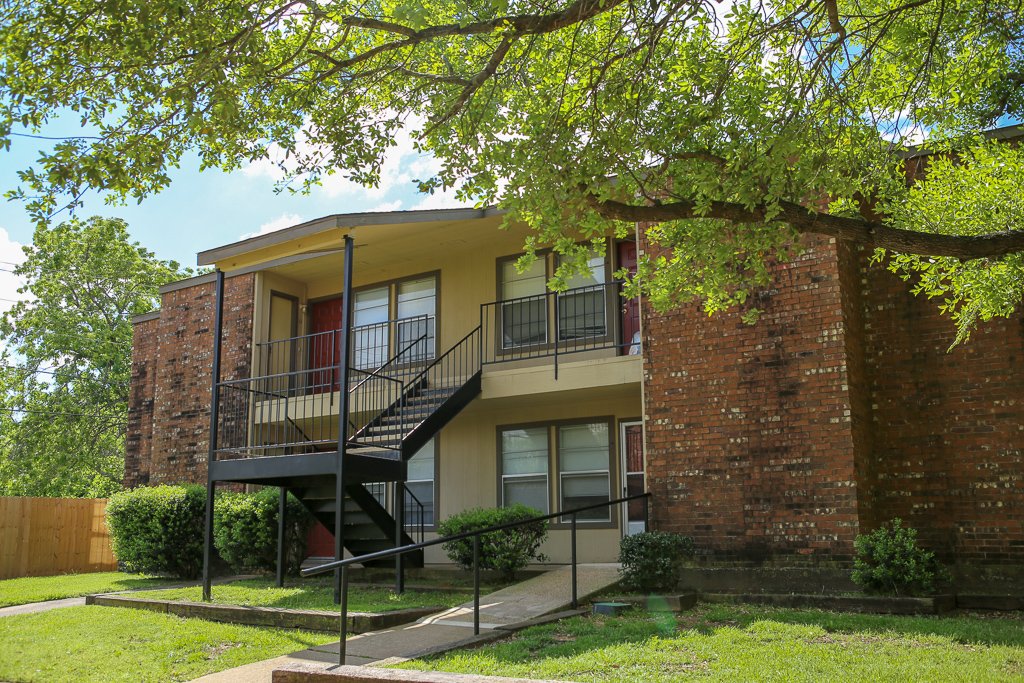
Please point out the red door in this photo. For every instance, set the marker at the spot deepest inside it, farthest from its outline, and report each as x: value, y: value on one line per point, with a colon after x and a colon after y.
x: 325, y: 349
x: 631, y: 308
x: 319, y: 541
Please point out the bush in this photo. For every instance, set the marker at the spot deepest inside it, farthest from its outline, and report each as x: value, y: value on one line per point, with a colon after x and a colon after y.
x: 159, y: 529
x: 651, y: 560
x: 245, y: 530
x: 889, y: 561
x: 505, y: 551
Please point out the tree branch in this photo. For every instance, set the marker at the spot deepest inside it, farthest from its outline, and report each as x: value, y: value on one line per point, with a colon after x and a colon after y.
x: 869, y: 233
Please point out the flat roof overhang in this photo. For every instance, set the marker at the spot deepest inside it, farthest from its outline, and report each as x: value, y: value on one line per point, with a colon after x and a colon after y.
x: 325, y: 233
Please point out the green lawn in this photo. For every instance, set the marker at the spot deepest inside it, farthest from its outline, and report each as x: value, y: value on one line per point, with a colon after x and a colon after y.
x: 313, y: 594
x: 39, y: 588
x: 83, y: 644
x: 738, y: 643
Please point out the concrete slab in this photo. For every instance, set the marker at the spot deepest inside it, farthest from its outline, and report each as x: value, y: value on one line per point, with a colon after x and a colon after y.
x: 46, y: 606
x: 508, y: 609
x: 263, y: 671
x: 549, y: 592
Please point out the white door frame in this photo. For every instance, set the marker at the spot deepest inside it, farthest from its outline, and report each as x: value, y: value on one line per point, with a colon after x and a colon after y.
x: 626, y: 531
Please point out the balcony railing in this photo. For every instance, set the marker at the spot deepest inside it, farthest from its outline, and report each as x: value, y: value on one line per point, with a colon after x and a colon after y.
x: 284, y: 408
x: 560, y: 323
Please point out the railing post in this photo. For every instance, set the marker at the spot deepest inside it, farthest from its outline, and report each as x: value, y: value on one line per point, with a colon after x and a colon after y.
x: 556, y: 337
x: 575, y: 600
x: 342, y: 643
x: 476, y: 585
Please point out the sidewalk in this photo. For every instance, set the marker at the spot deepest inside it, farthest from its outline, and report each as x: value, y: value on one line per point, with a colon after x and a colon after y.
x: 45, y: 606
x: 500, y: 612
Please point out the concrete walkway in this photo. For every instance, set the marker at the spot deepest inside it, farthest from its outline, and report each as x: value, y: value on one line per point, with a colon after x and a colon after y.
x: 40, y: 606
x: 500, y: 612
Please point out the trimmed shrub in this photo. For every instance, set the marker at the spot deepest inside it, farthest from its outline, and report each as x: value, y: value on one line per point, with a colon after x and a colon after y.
x: 889, y: 561
x: 245, y: 530
x: 158, y: 529
x: 505, y: 551
x: 651, y: 560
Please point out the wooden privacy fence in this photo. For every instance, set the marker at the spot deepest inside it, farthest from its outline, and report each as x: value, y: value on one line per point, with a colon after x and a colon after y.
x: 47, y: 536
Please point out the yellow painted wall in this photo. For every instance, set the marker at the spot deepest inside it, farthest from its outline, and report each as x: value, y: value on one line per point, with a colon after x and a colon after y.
x: 468, y: 466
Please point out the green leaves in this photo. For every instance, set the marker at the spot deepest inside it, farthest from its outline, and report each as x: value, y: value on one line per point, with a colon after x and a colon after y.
x: 978, y: 191
x: 537, y: 106
x: 66, y: 366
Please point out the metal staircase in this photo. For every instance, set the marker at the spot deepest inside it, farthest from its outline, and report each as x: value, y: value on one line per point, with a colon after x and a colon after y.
x: 280, y: 429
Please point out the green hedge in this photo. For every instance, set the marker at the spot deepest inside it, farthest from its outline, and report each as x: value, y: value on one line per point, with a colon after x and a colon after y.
x: 158, y: 529
x: 504, y: 551
x: 245, y: 530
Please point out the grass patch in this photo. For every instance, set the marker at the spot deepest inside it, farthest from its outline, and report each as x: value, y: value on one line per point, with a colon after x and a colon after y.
x: 85, y: 644
x: 40, y: 588
x: 316, y: 594
x: 727, y: 643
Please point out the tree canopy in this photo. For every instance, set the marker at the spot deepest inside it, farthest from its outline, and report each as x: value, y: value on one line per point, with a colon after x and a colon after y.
x: 66, y: 365
x: 737, y: 125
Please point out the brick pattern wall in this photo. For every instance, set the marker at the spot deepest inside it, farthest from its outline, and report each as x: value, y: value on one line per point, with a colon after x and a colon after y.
x: 948, y: 427
x: 183, y: 340
x: 139, y: 436
x: 749, y: 442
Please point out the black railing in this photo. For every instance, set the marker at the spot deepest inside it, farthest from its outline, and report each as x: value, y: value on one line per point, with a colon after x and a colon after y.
x: 285, y: 413
x: 343, y: 565
x: 310, y: 361
x: 559, y: 323
x: 419, y: 394
x: 412, y: 514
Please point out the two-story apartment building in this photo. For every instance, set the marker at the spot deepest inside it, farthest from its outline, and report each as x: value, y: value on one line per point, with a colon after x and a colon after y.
x: 470, y: 384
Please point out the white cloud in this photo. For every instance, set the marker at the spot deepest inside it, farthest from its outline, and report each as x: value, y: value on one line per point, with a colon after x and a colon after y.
x: 388, y: 206
x: 401, y: 166
x: 441, y: 200
x: 10, y: 255
x: 285, y: 220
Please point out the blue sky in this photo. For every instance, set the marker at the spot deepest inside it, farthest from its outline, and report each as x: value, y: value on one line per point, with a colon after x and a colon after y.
x: 206, y: 209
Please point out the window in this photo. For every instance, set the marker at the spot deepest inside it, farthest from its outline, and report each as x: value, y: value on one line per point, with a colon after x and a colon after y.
x: 582, y: 308
x: 411, y: 330
x: 524, y: 322
x: 417, y: 300
x: 584, y: 451
x: 524, y: 467
x: 420, y: 481
x: 371, y: 335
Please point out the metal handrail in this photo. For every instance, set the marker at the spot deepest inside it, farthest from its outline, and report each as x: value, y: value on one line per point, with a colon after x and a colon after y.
x: 444, y: 355
x: 475, y: 535
x: 389, y: 361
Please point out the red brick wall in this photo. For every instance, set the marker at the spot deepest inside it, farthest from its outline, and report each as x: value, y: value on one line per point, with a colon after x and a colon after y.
x: 749, y: 442
x: 184, y: 354
x: 139, y: 436
x: 948, y: 425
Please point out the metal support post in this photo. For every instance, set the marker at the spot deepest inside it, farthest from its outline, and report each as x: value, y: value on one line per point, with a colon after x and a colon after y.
x: 218, y: 326
x: 399, y: 496
x: 282, y: 507
x: 343, y: 367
